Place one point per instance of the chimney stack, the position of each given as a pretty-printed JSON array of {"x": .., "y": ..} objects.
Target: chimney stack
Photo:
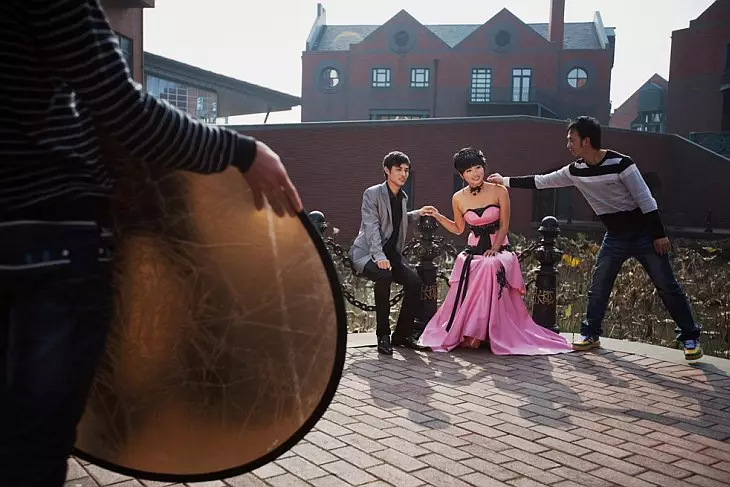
[{"x": 556, "y": 28}]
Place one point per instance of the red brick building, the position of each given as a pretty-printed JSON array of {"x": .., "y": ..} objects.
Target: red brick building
[
  {"x": 404, "y": 69},
  {"x": 646, "y": 109},
  {"x": 332, "y": 163},
  {"x": 127, "y": 19},
  {"x": 699, "y": 74}
]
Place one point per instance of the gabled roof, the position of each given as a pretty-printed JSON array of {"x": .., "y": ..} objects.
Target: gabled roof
[
  {"x": 578, "y": 35},
  {"x": 476, "y": 38},
  {"x": 403, "y": 18},
  {"x": 625, "y": 115},
  {"x": 655, "y": 79}
]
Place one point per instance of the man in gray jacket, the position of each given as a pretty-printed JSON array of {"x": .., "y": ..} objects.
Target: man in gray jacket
[{"x": 377, "y": 252}]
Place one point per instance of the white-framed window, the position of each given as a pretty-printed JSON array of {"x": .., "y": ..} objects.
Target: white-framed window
[
  {"x": 420, "y": 77},
  {"x": 577, "y": 77},
  {"x": 521, "y": 83},
  {"x": 381, "y": 78},
  {"x": 481, "y": 85}
]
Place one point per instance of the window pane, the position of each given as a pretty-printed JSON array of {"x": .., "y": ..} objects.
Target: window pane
[
  {"x": 577, "y": 77},
  {"x": 521, "y": 84},
  {"x": 420, "y": 77},
  {"x": 153, "y": 86},
  {"x": 381, "y": 77},
  {"x": 127, "y": 47},
  {"x": 481, "y": 83}
]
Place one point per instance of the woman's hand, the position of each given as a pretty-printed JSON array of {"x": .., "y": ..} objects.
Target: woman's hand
[
  {"x": 491, "y": 253},
  {"x": 429, "y": 211}
]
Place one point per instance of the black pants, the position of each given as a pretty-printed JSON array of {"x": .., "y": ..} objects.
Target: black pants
[
  {"x": 55, "y": 309},
  {"x": 411, "y": 305}
]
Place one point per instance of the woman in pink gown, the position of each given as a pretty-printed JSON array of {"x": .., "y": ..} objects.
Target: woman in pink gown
[{"x": 485, "y": 302}]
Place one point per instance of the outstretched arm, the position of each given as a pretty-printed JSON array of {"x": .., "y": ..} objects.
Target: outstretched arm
[
  {"x": 457, "y": 225},
  {"x": 556, "y": 179},
  {"x": 81, "y": 49}
]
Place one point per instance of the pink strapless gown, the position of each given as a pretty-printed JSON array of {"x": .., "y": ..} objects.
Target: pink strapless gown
[{"x": 492, "y": 308}]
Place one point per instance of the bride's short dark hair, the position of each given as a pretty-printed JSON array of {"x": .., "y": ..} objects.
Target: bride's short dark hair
[{"x": 469, "y": 157}]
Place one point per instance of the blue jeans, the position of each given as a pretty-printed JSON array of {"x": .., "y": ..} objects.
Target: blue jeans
[
  {"x": 615, "y": 250},
  {"x": 55, "y": 310}
]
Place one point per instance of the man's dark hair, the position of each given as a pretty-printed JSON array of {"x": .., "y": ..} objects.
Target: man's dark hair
[
  {"x": 395, "y": 158},
  {"x": 587, "y": 127},
  {"x": 469, "y": 157}
]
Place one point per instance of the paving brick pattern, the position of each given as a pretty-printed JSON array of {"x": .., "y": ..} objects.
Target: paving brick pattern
[{"x": 474, "y": 419}]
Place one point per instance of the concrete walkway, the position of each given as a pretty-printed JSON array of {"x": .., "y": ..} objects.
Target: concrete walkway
[{"x": 628, "y": 414}]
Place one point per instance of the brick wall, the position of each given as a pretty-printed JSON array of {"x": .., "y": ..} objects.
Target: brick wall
[
  {"x": 696, "y": 67},
  {"x": 333, "y": 163}
]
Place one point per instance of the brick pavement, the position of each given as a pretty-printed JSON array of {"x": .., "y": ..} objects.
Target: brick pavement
[{"x": 471, "y": 418}]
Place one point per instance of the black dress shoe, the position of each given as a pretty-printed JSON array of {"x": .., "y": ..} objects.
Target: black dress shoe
[
  {"x": 384, "y": 345},
  {"x": 407, "y": 342},
  {"x": 416, "y": 335}
]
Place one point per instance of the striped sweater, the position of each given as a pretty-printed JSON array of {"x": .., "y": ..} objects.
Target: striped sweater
[
  {"x": 62, "y": 76},
  {"x": 614, "y": 188}
]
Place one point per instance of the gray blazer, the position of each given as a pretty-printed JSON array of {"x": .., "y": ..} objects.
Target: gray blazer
[{"x": 377, "y": 226}]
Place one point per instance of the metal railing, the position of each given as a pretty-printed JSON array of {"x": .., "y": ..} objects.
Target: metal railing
[
  {"x": 431, "y": 255},
  {"x": 718, "y": 142}
]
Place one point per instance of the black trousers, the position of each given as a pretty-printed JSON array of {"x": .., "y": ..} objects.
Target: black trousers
[
  {"x": 411, "y": 305},
  {"x": 56, "y": 302}
]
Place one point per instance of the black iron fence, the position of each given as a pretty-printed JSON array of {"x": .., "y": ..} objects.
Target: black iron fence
[{"x": 432, "y": 257}]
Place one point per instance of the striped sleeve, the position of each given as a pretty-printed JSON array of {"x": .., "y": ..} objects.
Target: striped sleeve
[
  {"x": 80, "y": 48},
  {"x": 634, "y": 182},
  {"x": 555, "y": 179}
]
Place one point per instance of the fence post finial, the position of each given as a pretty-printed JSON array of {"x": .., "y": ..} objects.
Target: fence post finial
[
  {"x": 544, "y": 307},
  {"x": 319, "y": 221}
]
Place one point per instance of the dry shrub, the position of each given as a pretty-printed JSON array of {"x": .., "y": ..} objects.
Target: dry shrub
[{"x": 635, "y": 311}]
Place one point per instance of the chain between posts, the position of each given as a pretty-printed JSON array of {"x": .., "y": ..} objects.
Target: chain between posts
[{"x": 428, "y": 247}]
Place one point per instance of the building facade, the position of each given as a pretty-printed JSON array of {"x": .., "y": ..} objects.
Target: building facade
[
  {"x": 331, "y": 177},
  {"x": 699, "y": 74},
  {"x": 646, "y": 109},
  {"x": 209, "y": 96},
  {"x": 404, "y": 69},
  {"x": 126, "y": 18},
  {"x": 199, "y": 102}
]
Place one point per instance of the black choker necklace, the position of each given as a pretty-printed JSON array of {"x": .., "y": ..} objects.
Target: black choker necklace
[{"x": 476, "y": 189}]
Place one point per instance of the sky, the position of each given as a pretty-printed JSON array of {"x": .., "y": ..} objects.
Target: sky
[{"x": 262, "y": 41}]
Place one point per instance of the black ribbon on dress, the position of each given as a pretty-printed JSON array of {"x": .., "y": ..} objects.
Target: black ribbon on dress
[{"x": 482, "y": 232}]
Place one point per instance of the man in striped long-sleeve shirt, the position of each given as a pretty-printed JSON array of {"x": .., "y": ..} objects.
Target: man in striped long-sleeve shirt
[
  {"x": 618, "y": 194},
  {"x": 62, "y": 78}
]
